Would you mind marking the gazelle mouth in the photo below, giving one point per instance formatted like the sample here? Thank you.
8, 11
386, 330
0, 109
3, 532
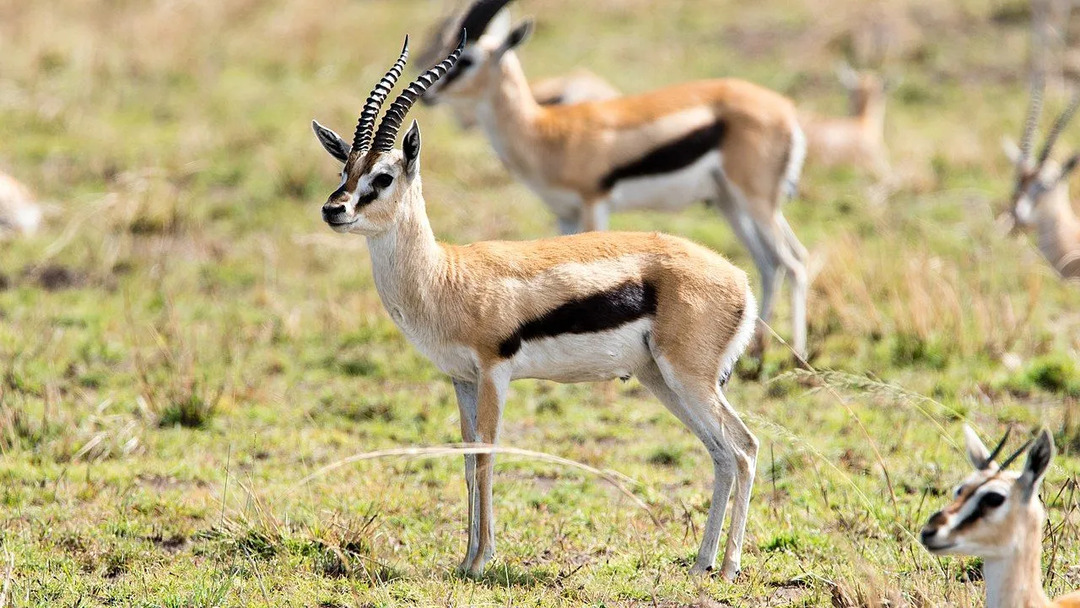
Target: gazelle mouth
337, 225
939, 548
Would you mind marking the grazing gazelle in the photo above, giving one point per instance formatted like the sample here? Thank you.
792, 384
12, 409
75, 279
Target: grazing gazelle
576, 308
1040, 198
727, 142
575, 87
19, 213
997, 515
857, 139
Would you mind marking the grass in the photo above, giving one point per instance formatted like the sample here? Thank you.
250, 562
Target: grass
185, 344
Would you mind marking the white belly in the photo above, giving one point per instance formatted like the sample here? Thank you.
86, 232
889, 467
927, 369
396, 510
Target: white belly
669, 191
591, 357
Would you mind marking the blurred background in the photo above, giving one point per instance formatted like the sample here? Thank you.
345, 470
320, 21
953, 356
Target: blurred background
182, 340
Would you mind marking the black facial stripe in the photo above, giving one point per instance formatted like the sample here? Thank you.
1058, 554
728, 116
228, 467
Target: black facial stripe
981, 508
598, 312
367, 198
670, 157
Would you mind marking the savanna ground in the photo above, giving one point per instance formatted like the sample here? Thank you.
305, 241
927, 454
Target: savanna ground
186, 343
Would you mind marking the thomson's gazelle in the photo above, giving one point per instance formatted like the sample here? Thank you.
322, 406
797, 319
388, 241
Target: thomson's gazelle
574, 87
857, 139
571, 309
728, 142
1040, 198
997, 515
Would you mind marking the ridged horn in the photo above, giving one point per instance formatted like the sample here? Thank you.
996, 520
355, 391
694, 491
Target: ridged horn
395, 116
1005, 463
366, 125
997, 449
1031, 121
1059, 126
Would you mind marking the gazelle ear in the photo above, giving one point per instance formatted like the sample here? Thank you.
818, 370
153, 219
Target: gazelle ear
514, 39
977, 452
1069, 165
1012, 151
849, 78
331, 141
499, 26
410, 146
1038, 461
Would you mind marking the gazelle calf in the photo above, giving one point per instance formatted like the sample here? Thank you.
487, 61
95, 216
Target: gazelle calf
577, 86
997, 515
19, 213
858, 139
728, 142
1040, 198
571, 309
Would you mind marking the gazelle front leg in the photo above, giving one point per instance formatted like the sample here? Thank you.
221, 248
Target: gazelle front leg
491, 395
467, 401
595, 214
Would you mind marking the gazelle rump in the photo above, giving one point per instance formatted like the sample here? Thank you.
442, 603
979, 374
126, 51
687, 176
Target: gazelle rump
576, 308
858, 139
997, 515
1040, 198
576, 86
730, 143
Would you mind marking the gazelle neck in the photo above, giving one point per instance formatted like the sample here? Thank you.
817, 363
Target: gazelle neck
870, 111
407, 261
509, 112
1059, 231
1016, 581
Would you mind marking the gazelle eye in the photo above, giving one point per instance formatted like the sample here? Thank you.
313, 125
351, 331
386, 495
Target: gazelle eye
992, 500
382, 180
464, 63
956, 492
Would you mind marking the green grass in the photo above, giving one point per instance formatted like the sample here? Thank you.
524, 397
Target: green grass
186, 342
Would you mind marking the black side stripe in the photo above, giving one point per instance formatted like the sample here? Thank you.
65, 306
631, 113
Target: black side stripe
598, 312
672, 156
551, 101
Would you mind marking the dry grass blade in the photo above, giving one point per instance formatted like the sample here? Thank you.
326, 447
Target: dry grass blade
8, 577
616, 479
851, 412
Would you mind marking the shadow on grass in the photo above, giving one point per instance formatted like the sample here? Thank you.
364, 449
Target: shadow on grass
505, 575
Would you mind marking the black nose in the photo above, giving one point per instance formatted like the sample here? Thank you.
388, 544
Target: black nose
330, 211
928, 533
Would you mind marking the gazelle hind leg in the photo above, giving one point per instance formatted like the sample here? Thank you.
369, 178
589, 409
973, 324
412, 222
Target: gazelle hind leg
467, 400
746, 465
733, 206
776, 235
705, 427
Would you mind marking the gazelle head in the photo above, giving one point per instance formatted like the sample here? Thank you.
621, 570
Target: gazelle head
375, 177
993, 509
1037, 177
489, 35
866, 88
